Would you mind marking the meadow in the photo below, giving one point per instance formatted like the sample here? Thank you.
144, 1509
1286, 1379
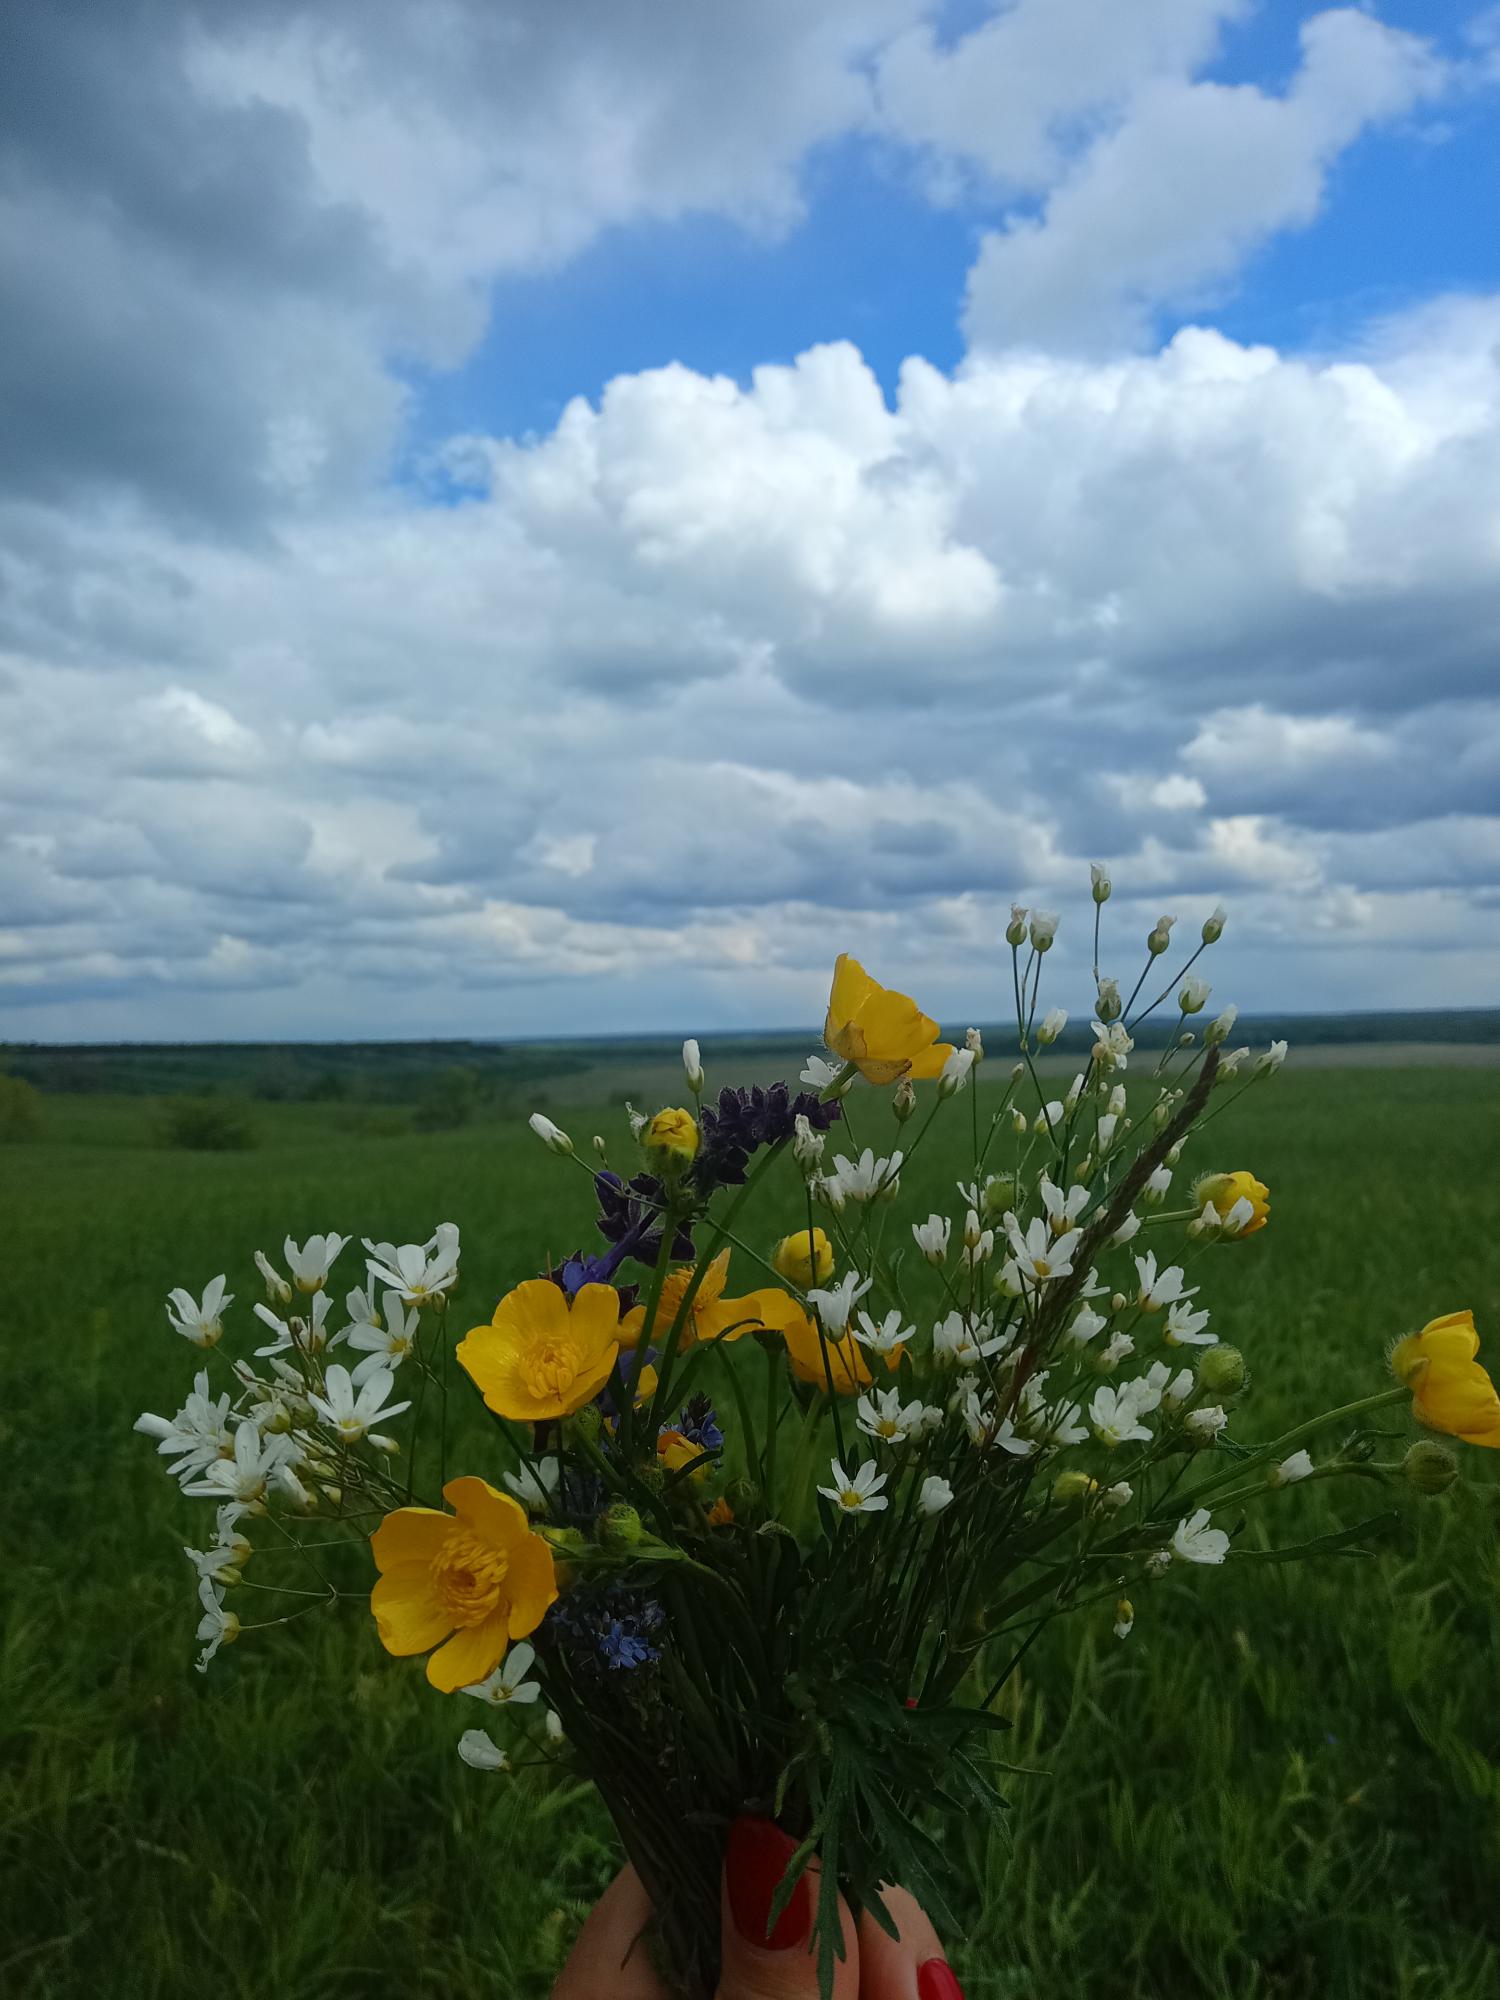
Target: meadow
1286, 1783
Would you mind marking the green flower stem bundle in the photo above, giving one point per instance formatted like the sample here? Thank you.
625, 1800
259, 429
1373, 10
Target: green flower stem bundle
766, 1525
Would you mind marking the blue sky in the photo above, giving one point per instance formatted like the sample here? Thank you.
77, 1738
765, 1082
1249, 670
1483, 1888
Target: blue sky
1410, 215
558, 528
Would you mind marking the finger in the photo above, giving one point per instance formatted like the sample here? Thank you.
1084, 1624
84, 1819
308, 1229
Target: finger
609, 1959
909, 1968
783, 1964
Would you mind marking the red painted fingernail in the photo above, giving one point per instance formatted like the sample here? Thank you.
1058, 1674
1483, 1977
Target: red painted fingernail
936, 1981
754, 1864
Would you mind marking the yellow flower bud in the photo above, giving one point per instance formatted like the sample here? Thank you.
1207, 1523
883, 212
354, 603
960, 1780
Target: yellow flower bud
1451, 1390
804, 1259
674, 1133
1222, 1191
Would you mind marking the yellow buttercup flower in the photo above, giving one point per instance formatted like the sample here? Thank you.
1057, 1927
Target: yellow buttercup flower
674, 1133
845, 1363
884, 1034
465, 1583
804, 1259
1450, 1391
1224, 1190
543, 1355
711, 1316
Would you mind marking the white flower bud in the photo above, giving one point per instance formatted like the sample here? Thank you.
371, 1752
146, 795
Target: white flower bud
1053, 1023
1203, 1426
692, 1066
1020, 1124
553, 1137
932, 1238
597, 1142
955, 1072
1271, 1061
904, 1100
1194, 993
974, 1042
1157, 1184
1108, 1004
1213, 924
1015, 930
1222, 1028
807, 1144
829, 1189
1099, 877
1161, 936
1117, 1100
1043, 929
1290, 1470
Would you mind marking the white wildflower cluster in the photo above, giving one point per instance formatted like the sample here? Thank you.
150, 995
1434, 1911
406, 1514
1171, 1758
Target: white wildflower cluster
1063, 1346
297, 1432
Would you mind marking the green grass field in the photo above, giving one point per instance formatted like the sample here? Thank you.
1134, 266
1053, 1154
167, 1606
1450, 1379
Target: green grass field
1287, 1782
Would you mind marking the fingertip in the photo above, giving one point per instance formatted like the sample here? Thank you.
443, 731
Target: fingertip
610, 1955
910, 1966
775, 1961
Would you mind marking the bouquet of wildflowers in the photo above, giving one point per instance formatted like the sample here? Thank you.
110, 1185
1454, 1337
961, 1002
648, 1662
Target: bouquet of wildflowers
765, 1525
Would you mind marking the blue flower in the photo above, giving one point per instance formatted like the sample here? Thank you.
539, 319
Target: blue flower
625, 1649
698, 1423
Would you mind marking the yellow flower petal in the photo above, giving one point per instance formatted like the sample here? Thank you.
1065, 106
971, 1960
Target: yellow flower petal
818, 1360
532, 1582
411, 1534
470, 1654
408, 1616
494, 1516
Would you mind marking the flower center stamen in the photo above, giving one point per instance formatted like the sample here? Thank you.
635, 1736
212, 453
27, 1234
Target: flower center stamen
468, 1575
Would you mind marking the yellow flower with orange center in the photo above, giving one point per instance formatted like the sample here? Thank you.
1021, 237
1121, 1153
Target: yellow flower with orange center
804, 1259
465, 1583
1224, 1190
1450, 1391
542, 1354
819, 1359
884, 1034
710, 1316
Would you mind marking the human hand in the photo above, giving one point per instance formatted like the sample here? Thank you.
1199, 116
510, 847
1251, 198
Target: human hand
610, 1960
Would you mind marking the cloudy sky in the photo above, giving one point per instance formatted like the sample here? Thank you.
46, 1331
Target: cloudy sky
526, 517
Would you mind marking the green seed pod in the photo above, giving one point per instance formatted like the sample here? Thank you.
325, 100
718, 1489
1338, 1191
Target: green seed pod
619, 1527
1221, 1372
1430, 1466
